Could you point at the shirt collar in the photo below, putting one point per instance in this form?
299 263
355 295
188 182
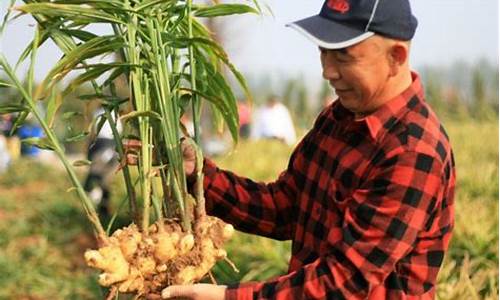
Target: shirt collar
386 113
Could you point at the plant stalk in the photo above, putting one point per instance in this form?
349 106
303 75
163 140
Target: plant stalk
58 149
141 104
196 104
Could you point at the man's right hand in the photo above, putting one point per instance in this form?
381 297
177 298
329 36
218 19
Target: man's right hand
189 156
132 147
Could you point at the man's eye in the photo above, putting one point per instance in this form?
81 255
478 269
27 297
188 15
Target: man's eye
340 57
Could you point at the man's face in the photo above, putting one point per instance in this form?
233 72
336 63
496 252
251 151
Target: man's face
358 73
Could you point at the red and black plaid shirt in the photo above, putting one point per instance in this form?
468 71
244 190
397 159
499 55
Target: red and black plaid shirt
368 205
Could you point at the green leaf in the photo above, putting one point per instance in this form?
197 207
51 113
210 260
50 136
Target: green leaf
69 12
116 73
220 94
97 3
204 39
31 69
212 46
48 30
147 4
105 99
53 105
241 80
77 137
4 85
90 74
19 120
79 34
42 143
64 41
90 49
71 114
100 120
224 10
81 163
217 118
137 114
12 108
71 189
6 16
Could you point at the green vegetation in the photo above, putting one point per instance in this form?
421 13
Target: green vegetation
43 233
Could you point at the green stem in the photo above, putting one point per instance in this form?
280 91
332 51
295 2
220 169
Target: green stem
113 219
196 107
121 153
196 104
146 158
157 204
59 150
141 104
126 170
169 112
66 48
198 188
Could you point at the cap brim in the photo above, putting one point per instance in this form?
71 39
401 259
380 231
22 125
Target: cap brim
329 34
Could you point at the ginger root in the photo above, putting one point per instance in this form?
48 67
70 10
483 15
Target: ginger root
146 262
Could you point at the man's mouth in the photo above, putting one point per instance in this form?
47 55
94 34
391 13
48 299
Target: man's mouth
340 89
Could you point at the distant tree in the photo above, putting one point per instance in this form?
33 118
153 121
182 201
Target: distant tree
494 94
455 104
302 106
480 108
288 92
434 92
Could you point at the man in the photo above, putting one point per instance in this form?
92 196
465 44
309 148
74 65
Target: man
367 198
273 121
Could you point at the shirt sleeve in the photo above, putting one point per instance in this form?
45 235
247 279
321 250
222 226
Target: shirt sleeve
253 207
381 222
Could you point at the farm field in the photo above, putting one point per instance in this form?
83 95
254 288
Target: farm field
43 231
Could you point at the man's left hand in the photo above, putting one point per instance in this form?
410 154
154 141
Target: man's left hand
200 291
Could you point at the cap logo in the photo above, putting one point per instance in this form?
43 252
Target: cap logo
341 6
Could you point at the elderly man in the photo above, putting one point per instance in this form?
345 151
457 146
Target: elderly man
367 198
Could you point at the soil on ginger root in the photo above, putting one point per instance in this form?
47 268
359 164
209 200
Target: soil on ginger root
144 263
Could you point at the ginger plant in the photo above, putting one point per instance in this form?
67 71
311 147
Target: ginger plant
171 63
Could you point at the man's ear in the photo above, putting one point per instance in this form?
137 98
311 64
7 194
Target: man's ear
398 56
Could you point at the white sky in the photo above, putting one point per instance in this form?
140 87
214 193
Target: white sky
449 30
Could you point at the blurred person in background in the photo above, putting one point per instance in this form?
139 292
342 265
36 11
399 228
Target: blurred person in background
12 143
5 158
368 196
104 161
245 117
30 129
273 121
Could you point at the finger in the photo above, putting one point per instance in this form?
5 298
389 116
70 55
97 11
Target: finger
187 150
153 297
131 159
132 144
177 291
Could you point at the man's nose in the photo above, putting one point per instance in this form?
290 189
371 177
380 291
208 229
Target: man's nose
330 70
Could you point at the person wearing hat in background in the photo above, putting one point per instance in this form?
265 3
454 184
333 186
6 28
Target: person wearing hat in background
367 198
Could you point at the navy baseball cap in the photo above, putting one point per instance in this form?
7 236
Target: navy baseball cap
343 23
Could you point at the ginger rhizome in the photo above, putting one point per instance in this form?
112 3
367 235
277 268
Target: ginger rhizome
146 262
